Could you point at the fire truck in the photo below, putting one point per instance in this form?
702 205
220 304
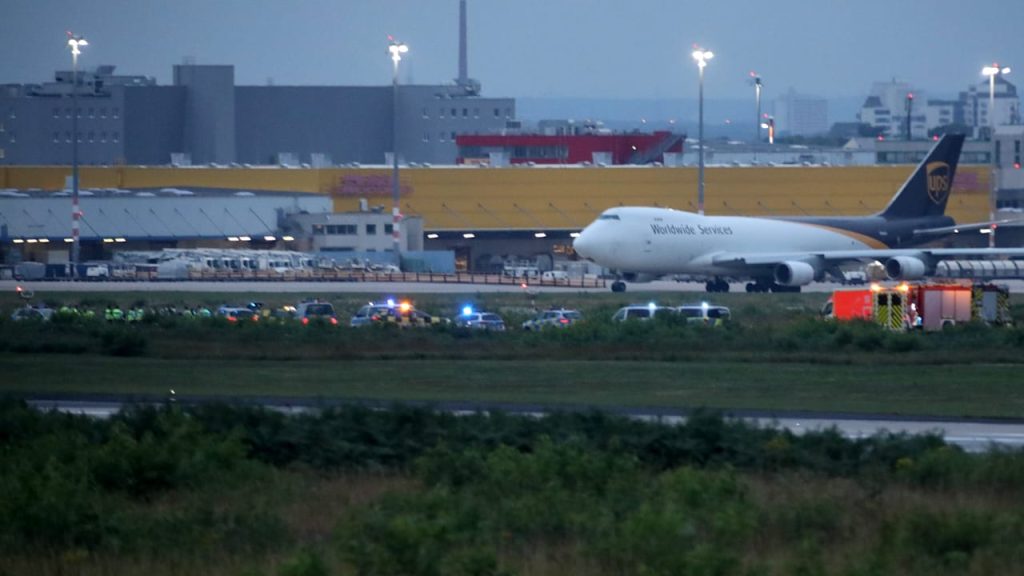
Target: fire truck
924 306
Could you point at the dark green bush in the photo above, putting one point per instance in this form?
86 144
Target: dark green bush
304 563
626 496
123 341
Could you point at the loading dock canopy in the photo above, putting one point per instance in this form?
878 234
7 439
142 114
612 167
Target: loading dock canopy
149 216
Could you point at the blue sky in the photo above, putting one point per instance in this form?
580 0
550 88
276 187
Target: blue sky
533 48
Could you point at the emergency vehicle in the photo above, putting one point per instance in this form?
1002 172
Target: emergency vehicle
402 314
926 306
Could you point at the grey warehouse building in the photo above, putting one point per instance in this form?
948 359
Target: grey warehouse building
205 118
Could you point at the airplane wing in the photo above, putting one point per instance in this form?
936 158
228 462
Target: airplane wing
929 256
958 228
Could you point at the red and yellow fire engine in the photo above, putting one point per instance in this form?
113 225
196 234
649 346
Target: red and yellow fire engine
921 305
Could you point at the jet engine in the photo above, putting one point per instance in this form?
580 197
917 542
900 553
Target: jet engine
905 268
638 277
794 273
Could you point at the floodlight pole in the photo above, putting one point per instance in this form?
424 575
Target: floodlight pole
701 56
396 49
993 71
75 42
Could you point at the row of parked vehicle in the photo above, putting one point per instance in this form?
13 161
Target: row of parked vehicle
700 313
404 314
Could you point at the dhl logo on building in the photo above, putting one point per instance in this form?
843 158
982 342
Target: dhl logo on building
368 185
938 181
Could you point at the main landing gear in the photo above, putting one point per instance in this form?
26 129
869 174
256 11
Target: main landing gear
769 286
716 285
618 286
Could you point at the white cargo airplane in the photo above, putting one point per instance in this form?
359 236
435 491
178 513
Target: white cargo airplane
782 254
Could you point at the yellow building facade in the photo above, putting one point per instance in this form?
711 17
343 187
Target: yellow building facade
540 198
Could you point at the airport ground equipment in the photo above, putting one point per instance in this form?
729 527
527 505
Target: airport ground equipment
928 306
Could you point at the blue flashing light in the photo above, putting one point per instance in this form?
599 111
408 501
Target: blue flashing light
391 302
467 310
652 305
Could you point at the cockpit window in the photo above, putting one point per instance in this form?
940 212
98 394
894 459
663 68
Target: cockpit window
609 217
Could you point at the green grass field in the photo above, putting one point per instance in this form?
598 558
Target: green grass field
776 355
975 391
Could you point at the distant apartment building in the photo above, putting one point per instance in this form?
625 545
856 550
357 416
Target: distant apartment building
888 107
890 104
1009 154
800 115
205 118
1005 110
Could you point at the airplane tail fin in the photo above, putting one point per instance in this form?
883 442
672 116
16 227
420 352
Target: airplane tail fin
927 190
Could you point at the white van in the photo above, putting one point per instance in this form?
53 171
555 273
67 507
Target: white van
556 276
706 313
640 312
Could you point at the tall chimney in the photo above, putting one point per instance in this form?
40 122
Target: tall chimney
463 57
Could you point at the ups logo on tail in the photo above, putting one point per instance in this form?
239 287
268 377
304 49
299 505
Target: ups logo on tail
938 181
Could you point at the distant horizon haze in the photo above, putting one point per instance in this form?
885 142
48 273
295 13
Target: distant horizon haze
532 48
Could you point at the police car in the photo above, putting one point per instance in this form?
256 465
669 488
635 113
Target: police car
640 312
704 313
27 312
401 314
555 317
370 314
236 314
313 310
480 320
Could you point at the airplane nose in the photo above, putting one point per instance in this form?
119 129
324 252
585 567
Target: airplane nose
583 244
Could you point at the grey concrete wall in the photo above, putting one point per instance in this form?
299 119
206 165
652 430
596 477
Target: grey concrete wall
426 121
209 128
205 115
154 119
37 129
350 124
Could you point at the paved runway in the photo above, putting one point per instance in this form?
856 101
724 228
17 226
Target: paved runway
973 436
1016 286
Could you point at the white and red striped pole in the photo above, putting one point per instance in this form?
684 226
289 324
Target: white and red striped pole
76 215
396 222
